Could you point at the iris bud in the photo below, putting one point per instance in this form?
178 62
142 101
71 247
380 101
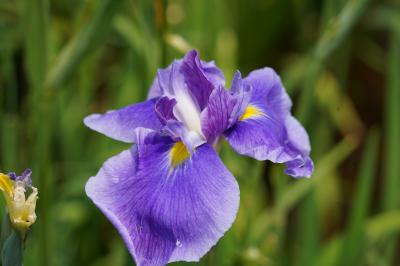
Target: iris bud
21 207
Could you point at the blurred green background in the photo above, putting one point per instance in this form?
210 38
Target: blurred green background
61 60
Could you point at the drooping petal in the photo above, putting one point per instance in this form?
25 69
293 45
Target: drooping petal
301 167
259 136
120 124
298 142
297 135
268 91
223 110
167 205
266 130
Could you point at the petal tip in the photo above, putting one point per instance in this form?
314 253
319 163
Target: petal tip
90 120
300 168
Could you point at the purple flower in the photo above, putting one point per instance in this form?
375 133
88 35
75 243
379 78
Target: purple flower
170 196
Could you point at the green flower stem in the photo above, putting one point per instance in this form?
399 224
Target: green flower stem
12 243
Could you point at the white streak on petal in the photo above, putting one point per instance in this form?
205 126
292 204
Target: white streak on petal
187 112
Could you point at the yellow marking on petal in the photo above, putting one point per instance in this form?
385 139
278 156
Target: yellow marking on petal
179 153
250 112
6 185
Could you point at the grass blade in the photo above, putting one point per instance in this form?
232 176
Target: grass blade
337 30
353 242
84 41
392 123
392 167
375 228
36 48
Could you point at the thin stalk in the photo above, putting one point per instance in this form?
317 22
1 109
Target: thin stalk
351 253
37 15
391 199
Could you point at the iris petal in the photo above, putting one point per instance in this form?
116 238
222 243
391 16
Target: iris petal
165 215
198 77
195 78
6 185
223 110
120 124
164 109
266 130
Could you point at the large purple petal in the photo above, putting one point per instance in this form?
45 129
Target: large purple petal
120 124
268 131
166 213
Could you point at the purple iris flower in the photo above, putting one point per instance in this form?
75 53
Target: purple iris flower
170 196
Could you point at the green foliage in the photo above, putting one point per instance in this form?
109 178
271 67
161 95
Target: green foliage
5 228
354 239
11 244
11 254
339 60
